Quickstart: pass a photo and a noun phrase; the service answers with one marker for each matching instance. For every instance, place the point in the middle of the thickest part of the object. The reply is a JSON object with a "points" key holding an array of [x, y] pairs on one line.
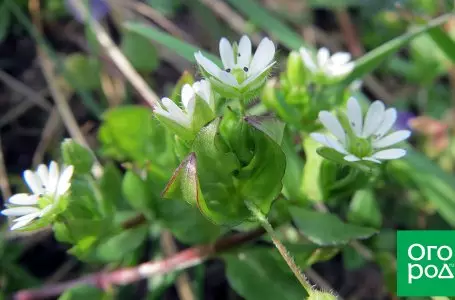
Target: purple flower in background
{"points": [[97, 8], [403, 118]]}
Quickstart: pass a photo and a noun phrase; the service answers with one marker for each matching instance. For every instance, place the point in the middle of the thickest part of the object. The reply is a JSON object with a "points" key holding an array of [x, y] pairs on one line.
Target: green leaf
{"points": [[84, 71], [372, 59], [111, 185], [136, 192], [293, 177], [364, 209], [132, 133], [311, 184], [186, 222], [444, 41], [387, 263], [180, 48], [261, 274], [265, 20], [83, 292], [269, 125], [119, 246], [327, 229], [78, 156], [140, 51], [435, 185]]}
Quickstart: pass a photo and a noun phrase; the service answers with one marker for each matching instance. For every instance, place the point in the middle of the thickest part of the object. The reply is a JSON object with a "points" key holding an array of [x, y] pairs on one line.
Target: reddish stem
{"points": [[182, 260]]}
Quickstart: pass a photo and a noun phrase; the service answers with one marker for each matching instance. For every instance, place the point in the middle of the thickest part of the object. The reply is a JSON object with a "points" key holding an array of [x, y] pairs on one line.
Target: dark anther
{"points": [[245, 69], [228, 70], [238, 54], [40, 195], [352, 123]]}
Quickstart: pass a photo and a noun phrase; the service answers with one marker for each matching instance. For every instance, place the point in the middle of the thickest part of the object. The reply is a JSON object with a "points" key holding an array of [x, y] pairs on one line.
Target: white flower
{"points": [[47, 186], [240, 68], [330, 66], [365, 139], [184, 116]]}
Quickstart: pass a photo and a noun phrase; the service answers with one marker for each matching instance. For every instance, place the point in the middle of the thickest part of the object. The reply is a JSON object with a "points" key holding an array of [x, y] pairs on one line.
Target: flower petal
{"points": [[262, 57], [323, 56], [209, 66], [187, 95], [371, 159], [341, 58], [244, 52], [19, 211], [27, 217], [308, 60], [64, 181], [332, 124], [204, 90], [373, 118], [43, 174], [351, 158], [175, 113], [339, 70], [392, 139], [354, 112], [254, 76], [24, 221], [390, 116], [54, 175], [227, 54], [390, 154], [33, 182], [328, 141], [45, 210], [227, 78], [23, 199]]}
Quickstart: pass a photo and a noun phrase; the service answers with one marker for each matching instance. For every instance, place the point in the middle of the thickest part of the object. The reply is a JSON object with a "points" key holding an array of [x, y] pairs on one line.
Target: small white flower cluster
{"points": [[366, 139], [240, 67], [329, 66], [48, 185], [184, 116], [242, 72]]}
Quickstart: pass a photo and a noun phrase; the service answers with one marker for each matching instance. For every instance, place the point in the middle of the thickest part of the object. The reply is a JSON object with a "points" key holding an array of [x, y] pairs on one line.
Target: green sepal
{"points": [[321, 295], [337, 157], [202, 115], [78, 156], [181, 131]]}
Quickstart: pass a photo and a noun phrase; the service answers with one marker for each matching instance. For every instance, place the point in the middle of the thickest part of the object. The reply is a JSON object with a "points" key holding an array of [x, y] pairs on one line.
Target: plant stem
{"points": [[259, 216]]}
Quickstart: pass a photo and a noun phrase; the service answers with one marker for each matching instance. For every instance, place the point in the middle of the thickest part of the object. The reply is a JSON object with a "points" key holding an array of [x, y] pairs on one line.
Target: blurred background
{"points": [[48, 59]]}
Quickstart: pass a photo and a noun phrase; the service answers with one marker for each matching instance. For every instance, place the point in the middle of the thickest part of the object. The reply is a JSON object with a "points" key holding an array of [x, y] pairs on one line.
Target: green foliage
{"points": [[78, 156], [262, 274], [139, 51], [364, 209], [84, 71], [327, 229], [84, 292]]}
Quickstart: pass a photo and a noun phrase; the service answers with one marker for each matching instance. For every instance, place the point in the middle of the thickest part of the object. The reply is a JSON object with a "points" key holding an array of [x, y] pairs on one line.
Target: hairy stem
{"points": [[261, 218]]}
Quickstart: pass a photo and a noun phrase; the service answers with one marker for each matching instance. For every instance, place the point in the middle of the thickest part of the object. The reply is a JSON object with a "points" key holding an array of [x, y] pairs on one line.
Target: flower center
{"points": [[360, 147], [44, 201], [240, 74]]}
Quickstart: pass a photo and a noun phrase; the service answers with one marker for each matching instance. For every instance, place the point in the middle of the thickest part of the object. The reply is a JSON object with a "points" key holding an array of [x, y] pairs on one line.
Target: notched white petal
{"points": [[263, 56], [374, 118], [392, 139], [23, 199], [390, 154], [227, 54], [308, 60], [19, 211], [351, 158], [244, 52], [332, 124], [354, 112]]}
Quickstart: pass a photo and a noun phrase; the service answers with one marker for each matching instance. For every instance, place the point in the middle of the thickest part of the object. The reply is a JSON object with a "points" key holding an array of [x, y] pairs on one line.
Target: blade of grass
{"points": [[183, 49], [444, 41], [372, 59]]}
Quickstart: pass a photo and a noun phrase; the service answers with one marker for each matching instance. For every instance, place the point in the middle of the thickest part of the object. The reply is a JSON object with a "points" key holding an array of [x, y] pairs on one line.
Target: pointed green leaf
{"points": [[364, 209], [119, 246], [262, 274], [78, 156], [327, 229]]}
